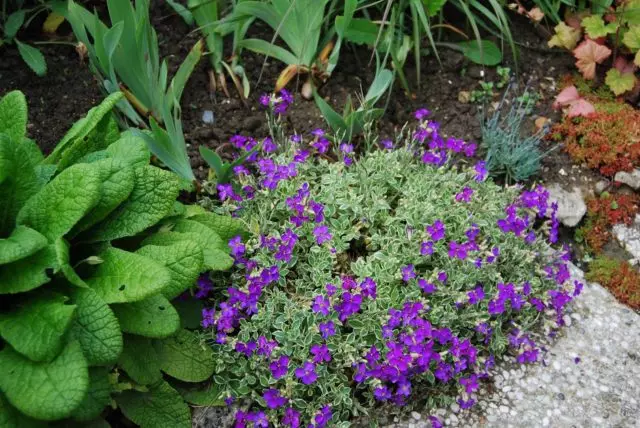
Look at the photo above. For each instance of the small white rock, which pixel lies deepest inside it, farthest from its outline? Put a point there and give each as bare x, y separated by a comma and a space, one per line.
415, 415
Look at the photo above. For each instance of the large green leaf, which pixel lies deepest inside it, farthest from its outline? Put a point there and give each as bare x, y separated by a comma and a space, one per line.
214, 248
96, 328
99, 138
33, 57
185, 357
117, 183
152, 317
23, 242
37, 327
47, 391
140, 360
190, 311
63, 258
161, 407
10, 417
13, 116
209, 396
20, 181
152, 198
484, 53
98, 396
225, 226
131, 150
84, 126
184, 260
70, 196
28, 273
124, 277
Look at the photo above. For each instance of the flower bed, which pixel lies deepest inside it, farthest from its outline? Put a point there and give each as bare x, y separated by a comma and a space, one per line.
388, 277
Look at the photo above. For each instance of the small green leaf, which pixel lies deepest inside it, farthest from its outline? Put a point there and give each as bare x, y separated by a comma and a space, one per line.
184, 260
152, 198
13, 24
595, 27
125, 277
161, 407
70, 196
23, 242
37, 327
182, 11
140, 360
28, 273
33, 57
185, 357
620, 83
47, 391
13, 116
152, 317
631, 38
483, 53
98, 396
360, 30
433, 7
96, 328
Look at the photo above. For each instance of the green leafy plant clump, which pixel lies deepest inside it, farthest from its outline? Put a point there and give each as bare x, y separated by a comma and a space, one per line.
93, 249
389, 277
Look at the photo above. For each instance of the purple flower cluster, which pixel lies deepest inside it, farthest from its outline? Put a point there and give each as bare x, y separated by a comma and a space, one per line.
279, 102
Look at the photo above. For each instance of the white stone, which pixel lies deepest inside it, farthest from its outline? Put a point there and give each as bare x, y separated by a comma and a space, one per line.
631, 179
416, 416
208, 117
571, 206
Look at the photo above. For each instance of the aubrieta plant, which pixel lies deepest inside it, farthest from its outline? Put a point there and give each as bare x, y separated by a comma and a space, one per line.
389, 276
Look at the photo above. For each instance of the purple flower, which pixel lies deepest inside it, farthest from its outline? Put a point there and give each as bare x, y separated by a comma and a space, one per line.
229, 401
259, 419
317, 132
458, 251
320, 353
208, 317
481, 171
426, 248
435, 422
266, 347
225, 191
470, 149
436, 230
475, 296
321, 145
322, 418
387, 144
427, 287
464, 195
442, 277
301, 156
331, 289
422, 113
369, 288
466, 404
291, 418
408, 273
273, 398
307, 373
268, 146
349, 305
322, 234
321, 305
470, 383
327, 329
237, 247
346, 148
246, 348
205, 286
279, 367
382, 393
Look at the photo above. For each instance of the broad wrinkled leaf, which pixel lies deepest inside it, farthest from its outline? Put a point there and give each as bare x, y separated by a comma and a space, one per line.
595, 27
226, 227
618, 82
22, 242
13, 116
98, 395
70, 196
214, 258
10, 417
96, 328
151, 199
47, 391
64, 263
184, 260
565, 37
99, 138
209, 395
140, 360
124, 277
161, 407
37, 327
28, 273
131, 150
588, 54
185, 357
214, 248
117, 184
152, 317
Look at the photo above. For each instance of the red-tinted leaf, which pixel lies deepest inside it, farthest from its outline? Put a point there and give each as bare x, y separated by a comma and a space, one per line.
566, 97
588, 54
580, 107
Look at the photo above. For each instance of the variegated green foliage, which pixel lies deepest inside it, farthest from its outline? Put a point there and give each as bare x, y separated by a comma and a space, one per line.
93, 246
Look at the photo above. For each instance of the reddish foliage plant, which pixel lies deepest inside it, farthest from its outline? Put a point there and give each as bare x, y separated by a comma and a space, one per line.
604, 212
619, 277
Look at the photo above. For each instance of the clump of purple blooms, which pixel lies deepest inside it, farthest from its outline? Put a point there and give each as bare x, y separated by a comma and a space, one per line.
407, 345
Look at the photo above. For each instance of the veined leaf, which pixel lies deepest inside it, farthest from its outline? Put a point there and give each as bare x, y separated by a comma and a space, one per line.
47, 391
131, 150
161, 407
98, 395
152, 317
595, 27
618, 82
33, 57
37, 328
484, 53
28, 273
104, 133
13, 116
565, 37
226, 227
140, 360
96, 328
22, 242
184, 357
124, 277
214, 257
10, 417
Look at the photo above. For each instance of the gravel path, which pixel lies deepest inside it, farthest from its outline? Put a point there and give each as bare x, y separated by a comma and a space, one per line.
590, 376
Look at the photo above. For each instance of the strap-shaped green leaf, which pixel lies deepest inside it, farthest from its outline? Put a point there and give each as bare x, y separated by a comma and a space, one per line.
70, 196
152, 317
152, 198
124, 277
96, 328
28, 273
185, 357
47, 391
140, 360
184, 260
161, 407
21, 243
98, 395
37, 327
13, 116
